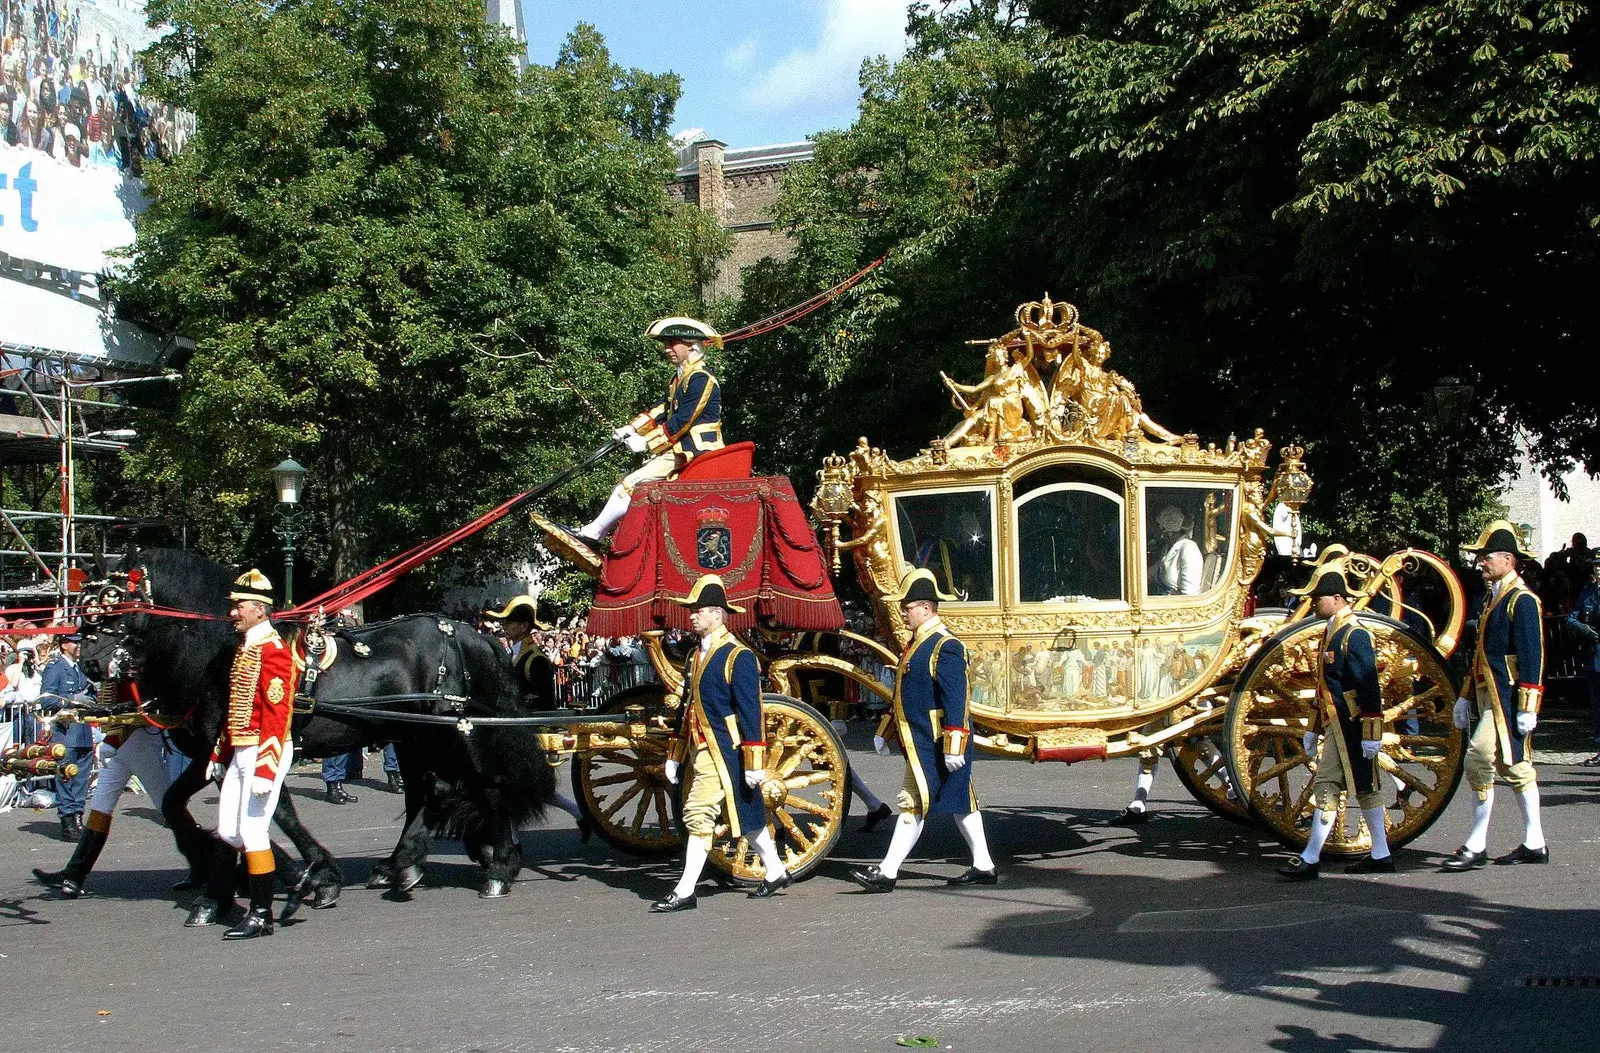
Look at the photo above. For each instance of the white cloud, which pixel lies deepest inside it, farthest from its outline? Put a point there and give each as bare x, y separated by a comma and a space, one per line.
740, 55
824, 74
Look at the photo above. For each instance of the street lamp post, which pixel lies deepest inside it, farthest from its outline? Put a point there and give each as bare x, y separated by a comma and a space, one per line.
1452, 400
288, 478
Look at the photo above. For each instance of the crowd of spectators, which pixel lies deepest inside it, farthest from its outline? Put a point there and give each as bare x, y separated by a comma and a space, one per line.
74, 93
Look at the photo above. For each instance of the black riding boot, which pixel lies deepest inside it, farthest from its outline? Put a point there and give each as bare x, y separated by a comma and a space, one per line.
217, 900
69, 882
396, 784
258, 921
338, 795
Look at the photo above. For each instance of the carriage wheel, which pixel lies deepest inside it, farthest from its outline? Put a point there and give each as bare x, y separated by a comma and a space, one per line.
625, 792
1271, 709
807, 796
1202, 766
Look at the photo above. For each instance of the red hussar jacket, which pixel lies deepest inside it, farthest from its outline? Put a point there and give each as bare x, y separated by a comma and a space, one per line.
260, 703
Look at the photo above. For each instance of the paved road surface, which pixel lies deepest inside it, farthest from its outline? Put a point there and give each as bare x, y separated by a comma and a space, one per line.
1173, 936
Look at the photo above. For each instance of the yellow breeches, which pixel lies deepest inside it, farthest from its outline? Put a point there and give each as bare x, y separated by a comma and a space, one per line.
1485, 760
661, 466
1331, 780
703, 805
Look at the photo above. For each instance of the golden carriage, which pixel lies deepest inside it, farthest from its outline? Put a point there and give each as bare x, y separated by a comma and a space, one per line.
1103, 569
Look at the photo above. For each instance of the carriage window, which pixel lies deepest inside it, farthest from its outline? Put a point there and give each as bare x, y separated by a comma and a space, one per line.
951, 534
1187, 532
1069, 544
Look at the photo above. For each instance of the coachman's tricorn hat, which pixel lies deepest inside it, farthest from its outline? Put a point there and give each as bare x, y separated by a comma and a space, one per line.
680, 328
252, 585
1329, 579
708, 592
520, 609
917, 586
1499, 536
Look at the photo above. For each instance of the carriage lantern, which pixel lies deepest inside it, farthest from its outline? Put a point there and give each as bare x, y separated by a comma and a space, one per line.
834, 500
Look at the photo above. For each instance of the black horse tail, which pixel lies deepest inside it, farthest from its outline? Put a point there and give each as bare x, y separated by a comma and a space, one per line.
521, 781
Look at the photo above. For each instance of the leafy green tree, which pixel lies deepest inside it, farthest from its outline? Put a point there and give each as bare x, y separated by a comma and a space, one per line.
1294, 214
398, 260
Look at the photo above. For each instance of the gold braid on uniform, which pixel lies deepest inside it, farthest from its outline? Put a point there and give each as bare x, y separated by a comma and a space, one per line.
242, 684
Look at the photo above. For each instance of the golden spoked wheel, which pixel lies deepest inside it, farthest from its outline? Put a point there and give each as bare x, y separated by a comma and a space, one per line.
807, 795
1202, 766
625, 792
1271, 709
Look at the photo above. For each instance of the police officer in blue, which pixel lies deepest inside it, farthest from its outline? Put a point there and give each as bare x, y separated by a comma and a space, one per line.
1500, 700
722, 697
935, 727
1584, 622
685, 424
62, 686
1350, 716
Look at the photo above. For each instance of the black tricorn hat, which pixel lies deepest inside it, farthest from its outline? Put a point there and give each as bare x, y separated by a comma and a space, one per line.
917, 586
1329, 579
708, 592
1499, 536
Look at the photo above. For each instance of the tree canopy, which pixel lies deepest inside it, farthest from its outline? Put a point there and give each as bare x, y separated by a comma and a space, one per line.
397, 259
1292, 214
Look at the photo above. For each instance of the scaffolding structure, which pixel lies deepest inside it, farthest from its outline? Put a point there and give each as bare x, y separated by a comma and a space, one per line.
55, 409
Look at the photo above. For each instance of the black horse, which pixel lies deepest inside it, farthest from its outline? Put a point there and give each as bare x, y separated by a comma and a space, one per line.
479, 783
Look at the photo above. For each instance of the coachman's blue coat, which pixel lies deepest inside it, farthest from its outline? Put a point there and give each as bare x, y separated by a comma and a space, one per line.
930, 699
1509, 659
1350, 686
724, 706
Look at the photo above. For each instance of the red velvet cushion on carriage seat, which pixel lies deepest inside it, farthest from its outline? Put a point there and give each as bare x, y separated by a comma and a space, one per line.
730, 462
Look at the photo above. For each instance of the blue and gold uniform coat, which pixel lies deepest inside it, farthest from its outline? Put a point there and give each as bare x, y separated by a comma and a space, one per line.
1508, 662
688, 421
1350, 697
722, 711
931, 713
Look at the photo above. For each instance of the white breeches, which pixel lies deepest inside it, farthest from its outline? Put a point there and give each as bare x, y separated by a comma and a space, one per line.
243, 819
140, 755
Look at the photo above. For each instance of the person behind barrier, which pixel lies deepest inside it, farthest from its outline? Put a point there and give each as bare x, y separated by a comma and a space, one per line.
685, 424
252, 755
62, 686
1503, 689
935, 729
1350, 716
722, 687
1584, 623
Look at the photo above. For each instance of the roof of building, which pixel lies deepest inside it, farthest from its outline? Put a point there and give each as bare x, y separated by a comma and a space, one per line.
743, 158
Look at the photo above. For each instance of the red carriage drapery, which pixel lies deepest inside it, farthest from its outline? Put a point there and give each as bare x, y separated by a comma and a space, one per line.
751, 532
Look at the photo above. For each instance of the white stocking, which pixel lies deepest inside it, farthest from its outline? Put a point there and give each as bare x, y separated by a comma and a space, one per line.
770, 860
694, 861
1478, 840
1376, 818
616, 507
971, 827
906, 832
863, 791
1141, 789
1532, 830
1321, 827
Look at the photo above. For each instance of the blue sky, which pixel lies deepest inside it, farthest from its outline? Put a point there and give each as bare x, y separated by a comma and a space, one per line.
753, 72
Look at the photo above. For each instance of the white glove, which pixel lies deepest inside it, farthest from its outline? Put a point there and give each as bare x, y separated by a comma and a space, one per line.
636, 442
214, 771
879, 746
1308, 742
954, 761
260, 787
1370, 748
672, 771
621, 434
1462, 714
754, 777
1526, 722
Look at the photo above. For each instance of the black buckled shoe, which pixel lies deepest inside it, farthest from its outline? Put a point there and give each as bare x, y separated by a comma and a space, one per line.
1129, 817
1367, 865
771, 888
1297, 869
206, 911
671, 903
1465, 859
1521, 854
872, 879
257, 922
974, 876
876, 816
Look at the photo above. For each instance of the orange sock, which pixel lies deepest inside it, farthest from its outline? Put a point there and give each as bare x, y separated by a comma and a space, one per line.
260, 861
99, 822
